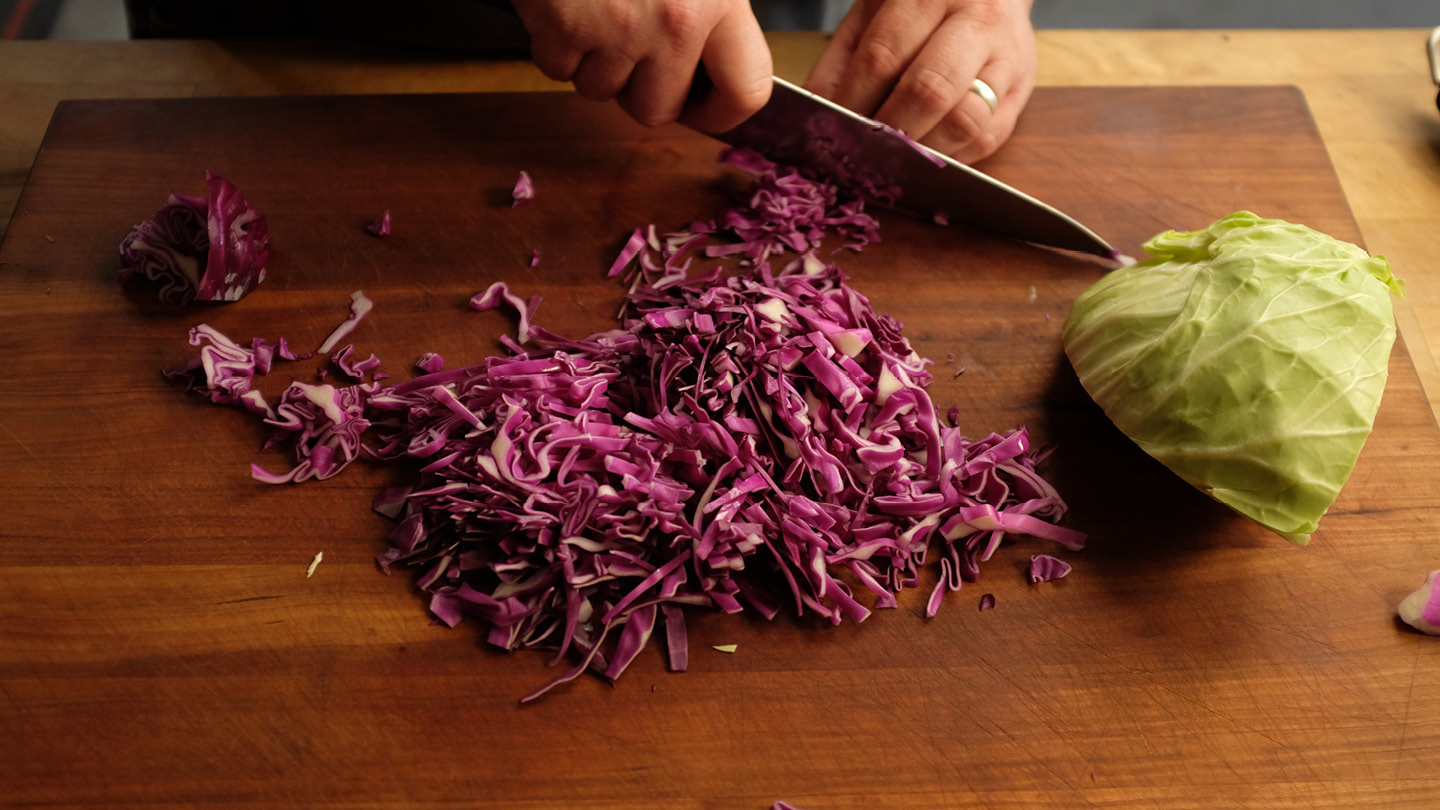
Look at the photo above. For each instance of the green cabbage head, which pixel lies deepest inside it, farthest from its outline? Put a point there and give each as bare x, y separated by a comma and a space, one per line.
1248, 357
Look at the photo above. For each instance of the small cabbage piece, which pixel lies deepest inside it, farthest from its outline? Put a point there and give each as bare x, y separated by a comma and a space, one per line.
381, 226
211, 248
524, 190
430, 362
1421, 609
1045, 568
1248, 357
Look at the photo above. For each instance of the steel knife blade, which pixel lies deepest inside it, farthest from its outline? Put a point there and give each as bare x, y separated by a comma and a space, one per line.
799, 128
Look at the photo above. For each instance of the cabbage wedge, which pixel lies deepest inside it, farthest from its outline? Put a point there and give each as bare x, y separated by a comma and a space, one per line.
1248, 357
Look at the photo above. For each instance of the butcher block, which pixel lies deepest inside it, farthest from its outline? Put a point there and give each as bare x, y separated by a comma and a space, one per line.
168, 639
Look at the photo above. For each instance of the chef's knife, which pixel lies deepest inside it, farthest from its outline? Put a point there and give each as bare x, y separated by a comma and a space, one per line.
801, 129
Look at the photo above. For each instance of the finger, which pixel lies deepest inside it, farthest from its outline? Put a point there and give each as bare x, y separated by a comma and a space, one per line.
938, 80
967, 132
971, 132
892, 40
737, 59
656, 92
553, 47
601, 75
824, 78
558, 63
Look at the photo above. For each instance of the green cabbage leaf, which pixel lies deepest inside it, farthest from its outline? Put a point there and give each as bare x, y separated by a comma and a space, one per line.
1248, 357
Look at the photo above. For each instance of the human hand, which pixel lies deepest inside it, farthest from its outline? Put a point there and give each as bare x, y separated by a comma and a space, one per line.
910, 64
644, 54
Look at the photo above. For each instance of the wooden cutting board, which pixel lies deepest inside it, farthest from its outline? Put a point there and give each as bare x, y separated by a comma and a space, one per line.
161, 644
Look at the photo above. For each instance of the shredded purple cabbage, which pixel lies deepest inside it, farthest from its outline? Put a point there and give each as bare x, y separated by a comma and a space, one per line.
787, 211
381, 226
322, 425
224, 371
756, 439
346, 363
987, 601
211, 248
1045, 568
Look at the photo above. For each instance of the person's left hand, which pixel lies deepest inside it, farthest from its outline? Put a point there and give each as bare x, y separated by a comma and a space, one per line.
910, 64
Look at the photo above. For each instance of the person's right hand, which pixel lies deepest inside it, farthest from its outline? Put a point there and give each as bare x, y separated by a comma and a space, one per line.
644, 53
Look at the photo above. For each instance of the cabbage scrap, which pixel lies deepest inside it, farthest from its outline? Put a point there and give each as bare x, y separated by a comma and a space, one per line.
381, 226
1045, 568
524, 189
430, 362
1248, 357
360, 306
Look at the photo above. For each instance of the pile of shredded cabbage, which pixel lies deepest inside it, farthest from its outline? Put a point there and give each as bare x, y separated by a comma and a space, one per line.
756, 439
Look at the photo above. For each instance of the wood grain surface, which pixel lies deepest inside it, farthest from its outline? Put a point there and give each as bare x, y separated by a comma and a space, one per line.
161, 645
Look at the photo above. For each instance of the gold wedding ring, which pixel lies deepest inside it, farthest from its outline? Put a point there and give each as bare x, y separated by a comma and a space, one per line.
986, 94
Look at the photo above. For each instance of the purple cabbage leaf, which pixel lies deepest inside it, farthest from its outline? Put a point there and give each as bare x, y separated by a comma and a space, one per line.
198, 249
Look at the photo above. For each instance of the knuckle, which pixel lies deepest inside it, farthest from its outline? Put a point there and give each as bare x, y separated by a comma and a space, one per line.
555, 63
972, 138
985, 144
682, 21
931, 92
624, 28
962, 128
879, 58
558, 31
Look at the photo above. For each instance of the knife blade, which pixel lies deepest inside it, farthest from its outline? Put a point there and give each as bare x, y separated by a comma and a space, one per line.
799, 128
